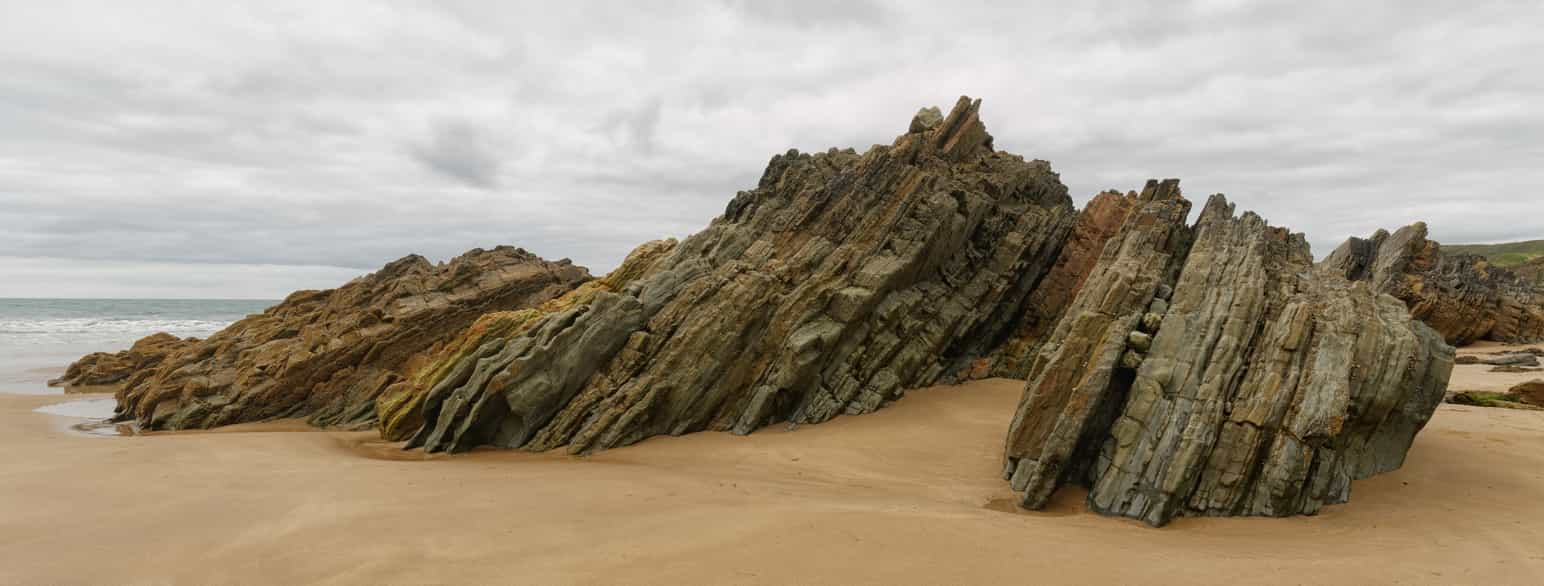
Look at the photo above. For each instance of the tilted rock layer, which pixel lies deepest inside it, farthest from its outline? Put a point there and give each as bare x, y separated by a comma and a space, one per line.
1100, 220
110, 371
327, 355
1461, 295
1211, 371
1174, 369
400, 407
838, 283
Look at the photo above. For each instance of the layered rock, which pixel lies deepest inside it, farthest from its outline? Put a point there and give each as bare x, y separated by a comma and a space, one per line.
327, 355
1460, 295
106, 372
1226, 378
400, 407
1099, 220
838, 283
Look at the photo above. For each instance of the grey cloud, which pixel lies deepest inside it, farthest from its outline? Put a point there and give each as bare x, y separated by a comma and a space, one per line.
347, 134
459, 151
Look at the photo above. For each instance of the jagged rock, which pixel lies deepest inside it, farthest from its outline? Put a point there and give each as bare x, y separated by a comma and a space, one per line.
1099, 220
1266, 390
400, 407
836, 284
103, 372
326, 355
1461, 295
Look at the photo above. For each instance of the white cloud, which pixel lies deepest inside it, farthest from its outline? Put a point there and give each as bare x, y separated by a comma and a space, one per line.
349, 134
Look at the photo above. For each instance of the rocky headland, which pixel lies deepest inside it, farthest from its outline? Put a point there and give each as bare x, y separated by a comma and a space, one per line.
1174, 369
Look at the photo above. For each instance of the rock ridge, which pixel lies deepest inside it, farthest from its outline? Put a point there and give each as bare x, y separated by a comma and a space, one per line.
326, 355
1463, 296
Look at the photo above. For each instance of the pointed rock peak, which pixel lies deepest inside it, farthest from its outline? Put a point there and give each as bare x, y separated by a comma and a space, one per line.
1217, 209
926, 119
960, 135
1165, 190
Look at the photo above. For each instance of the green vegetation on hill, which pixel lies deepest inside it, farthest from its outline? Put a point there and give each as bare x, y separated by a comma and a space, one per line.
1509, 254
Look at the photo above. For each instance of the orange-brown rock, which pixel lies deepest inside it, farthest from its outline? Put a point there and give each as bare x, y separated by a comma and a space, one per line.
1531, 392
327, 355
106, 371
1100, 219
1462, 296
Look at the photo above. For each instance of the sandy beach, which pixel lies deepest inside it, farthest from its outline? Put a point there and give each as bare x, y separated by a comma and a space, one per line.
906, 495
1478, 377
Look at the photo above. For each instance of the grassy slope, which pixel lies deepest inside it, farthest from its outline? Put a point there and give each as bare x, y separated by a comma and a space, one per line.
1509, 254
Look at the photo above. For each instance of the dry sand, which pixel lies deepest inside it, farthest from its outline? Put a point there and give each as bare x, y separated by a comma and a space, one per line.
906, 495
1478, 377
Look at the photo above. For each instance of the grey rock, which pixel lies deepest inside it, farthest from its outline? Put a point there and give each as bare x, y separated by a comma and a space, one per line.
1266, 391
836, 284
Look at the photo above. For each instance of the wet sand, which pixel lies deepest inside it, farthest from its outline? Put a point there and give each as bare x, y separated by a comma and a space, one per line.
906, 495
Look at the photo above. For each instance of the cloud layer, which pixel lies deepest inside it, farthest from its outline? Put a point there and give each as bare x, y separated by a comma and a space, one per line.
196, 138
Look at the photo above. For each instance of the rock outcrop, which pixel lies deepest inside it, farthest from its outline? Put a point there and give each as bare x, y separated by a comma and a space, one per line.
1100, 220
1174, 369
327, 355
1211, 371
1460, 295
838, 283
400, 407
105, 372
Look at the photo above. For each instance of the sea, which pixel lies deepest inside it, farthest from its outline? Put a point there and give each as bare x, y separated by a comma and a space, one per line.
40, 337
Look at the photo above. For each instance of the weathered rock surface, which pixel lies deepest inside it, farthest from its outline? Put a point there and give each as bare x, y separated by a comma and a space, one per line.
400, 407
1264, 387
107, 371
1460, 295
1100, 220
327, 355
838, 283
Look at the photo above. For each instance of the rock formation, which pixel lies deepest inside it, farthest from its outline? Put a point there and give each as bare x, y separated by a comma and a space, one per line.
1461, 295
1174, 369
107, 371
400, 407
327, 355
1211, 371
838, 283
1097, 223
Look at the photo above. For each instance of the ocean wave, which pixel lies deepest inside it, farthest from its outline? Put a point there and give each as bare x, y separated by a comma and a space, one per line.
67, 326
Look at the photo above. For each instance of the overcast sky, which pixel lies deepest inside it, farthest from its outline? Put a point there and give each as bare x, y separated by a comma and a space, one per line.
222, 149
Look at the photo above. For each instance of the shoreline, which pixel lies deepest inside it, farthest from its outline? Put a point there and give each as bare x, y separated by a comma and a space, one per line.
869, 499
